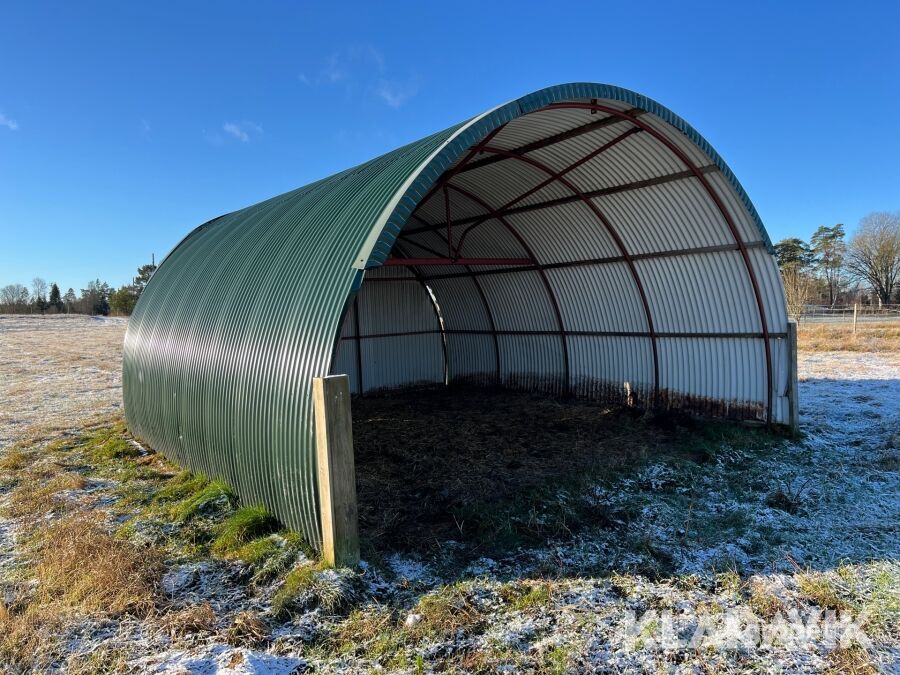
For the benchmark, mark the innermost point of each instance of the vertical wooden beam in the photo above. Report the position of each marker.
(337, 473)
(793, 379)
(855, 310)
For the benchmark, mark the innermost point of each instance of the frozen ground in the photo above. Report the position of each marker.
(720, 569)
(57, 372)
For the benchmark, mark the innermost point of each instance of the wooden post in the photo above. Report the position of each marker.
(793, 379)
(337, 474)
(855, 308)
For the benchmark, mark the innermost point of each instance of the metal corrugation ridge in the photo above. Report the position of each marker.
(545, 124)
(669, 217)
(532, 363)
(608, 368)
(612, 305)
(577, 235)
(702, 293)
(717, 377)
(472, 359)
(635, 157)
(391, 309)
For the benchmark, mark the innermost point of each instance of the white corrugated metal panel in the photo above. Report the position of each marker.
(606, 368)
(598, 298)
(460, 303)
(682, 142)
(770, 288)
(702, 293)
(668, 217)
(394, 307)
(637, 157)
(345, 363)
(402, 360)
(741, 218)
(508, 180)
(505, 294)
(544, 124)
(472, 358)
(532, 362)
(714, 375)
(435, 240)
(348, 327)
(489, 239)
(564, 233)
(781, 405)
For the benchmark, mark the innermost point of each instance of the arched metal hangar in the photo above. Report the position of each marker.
(582, 240)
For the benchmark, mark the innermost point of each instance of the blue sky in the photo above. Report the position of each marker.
(123, 125)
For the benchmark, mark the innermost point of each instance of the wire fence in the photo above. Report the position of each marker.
(851, 313)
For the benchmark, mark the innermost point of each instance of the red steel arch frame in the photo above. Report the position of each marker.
(454, 255)
(764, 324)
(550, 294)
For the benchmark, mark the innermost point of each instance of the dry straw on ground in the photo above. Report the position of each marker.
(881, 337)
(84, 568)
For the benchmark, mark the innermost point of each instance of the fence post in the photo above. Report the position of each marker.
(793, 379)
(337, 473)
(855, 308)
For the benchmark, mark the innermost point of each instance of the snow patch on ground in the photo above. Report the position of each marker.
(220, 660)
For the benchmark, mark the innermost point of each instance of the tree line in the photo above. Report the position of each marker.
(97, 298)
(828, 270)
(831, 270)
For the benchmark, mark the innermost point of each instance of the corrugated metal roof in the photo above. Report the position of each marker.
(647, 261)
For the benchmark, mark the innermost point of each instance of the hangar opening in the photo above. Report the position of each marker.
(583, 249)
(582, 242)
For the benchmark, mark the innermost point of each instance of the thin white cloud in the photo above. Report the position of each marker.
(371, 55)
(8, 122)
(236, 131)
(393, 93)
(362, 70)
(242, 131)
(145, 128)
(334, 70)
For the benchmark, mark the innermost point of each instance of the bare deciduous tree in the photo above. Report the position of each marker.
(38, 289)
(13, 297)
(9, 294)
(798, 285)
(873, 254)
(795, 259)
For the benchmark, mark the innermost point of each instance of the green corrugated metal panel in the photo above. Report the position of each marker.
(217, 366)
(224, 341)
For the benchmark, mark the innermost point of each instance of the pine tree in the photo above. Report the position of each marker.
(70, 299)
(55, 299)
(793, 253)
(829, 248)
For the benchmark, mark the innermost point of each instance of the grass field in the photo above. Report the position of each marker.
(533, 536)
(870, 336)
